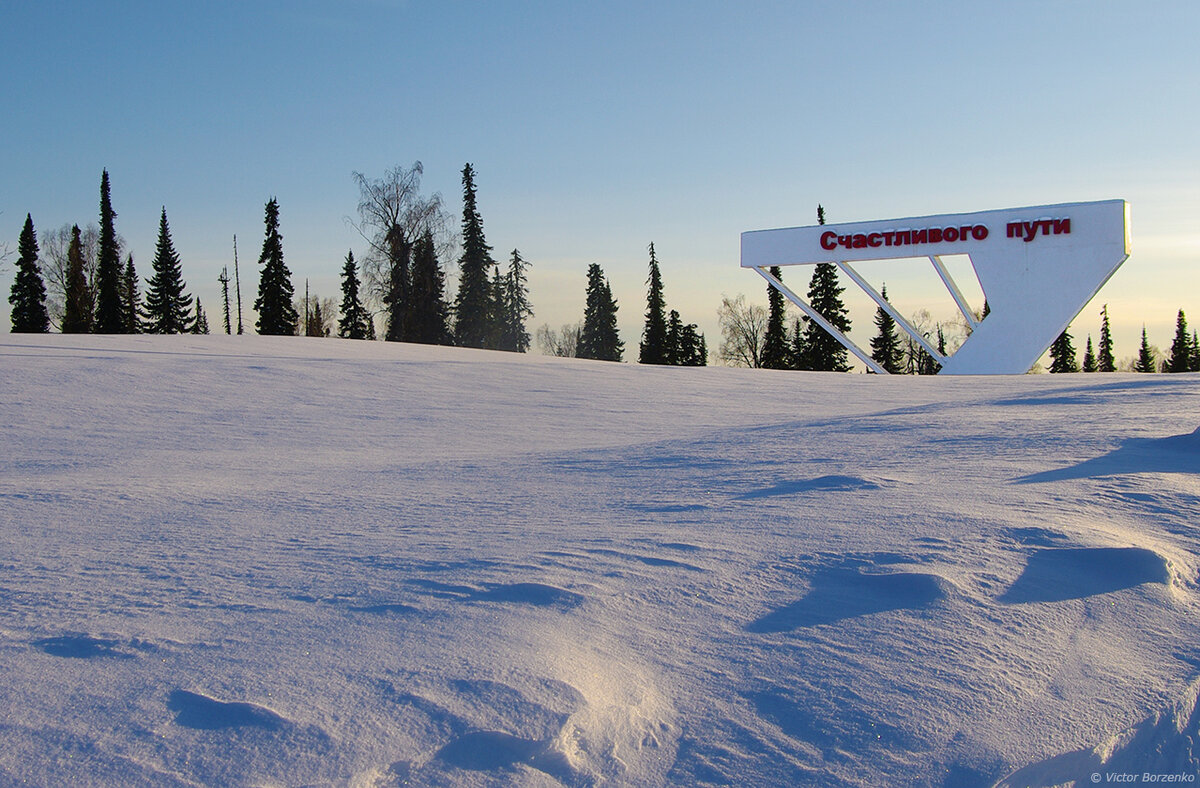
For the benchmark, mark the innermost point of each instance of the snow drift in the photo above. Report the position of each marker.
(287, 561)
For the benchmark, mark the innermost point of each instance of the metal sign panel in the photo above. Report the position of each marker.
(1037, 266)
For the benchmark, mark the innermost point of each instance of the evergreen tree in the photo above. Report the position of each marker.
(1181, 348)
(776, 353)
(821, 351)
(168, 308)
(110, 312)
(398, 297)
(77, 306)
(799, 352)
(430, 318)
(276, 315)
(1062, 354)
(496, 318)
(131, 298)
(353, 323)
(599, 338)
(224, 280)
(1089, 357)
(1145, 361)
(1195, 352)
(1105, 361)
(517, 309)
(473, 325)
(673, 352)
(28, 295)
(654, 347)
(885, 346)
(200, 323)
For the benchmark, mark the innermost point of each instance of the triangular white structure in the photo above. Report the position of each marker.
(1037, 267)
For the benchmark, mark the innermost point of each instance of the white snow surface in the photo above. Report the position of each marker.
(290, 561)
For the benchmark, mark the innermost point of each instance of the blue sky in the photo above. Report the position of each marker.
(596, 129)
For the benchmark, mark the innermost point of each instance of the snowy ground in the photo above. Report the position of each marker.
(256, 561)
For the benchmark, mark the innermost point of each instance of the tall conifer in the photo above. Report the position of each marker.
(599, 338)
(77, 301)
(473, 310)
(200, 322)
(28, 295)
(1145, 360)
(110, 312)
(1089, 357)
(1062, 354)
(821, 351)
(168, 308)
(353, 323)
(430, 312)
(654, 347)
(1105, 361)
(517, 309)
(885, 345)
(276, 315)
(131, 298)
(1180, 359)
(776, 353)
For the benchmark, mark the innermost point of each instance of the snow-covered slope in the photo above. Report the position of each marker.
(257, 561)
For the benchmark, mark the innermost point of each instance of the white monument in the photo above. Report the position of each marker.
(1037, 267)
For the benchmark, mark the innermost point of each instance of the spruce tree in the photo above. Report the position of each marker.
(517, 309)
(353, 323)
(398, 297)
(1195, 352)
(1105, 361)
(1062, 354)
(78, 304)
(674, 339)
(1181, 348)
(28, 295)
(473, 306)
(224, 280)
(496, 318)
(654, 347)
(110, 312)
(168, 308)
(1089, 357)
(885, 346)
(599, 338)
(430, 316)
(821, 351)
(276, 315)
(776, 353)
(1145, 360)
(200, 323)
(799, 352)
(131, 298)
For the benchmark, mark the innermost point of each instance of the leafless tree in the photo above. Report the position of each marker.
(743, 332)
(559, 343)
(53, 245)
(392, 216)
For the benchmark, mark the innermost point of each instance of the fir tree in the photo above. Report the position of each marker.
(674, 338)
(885, 346)
(110, 313)
(430, 318)
(168, 308)
(1089, 357)
(799, 352)
(517, 310)
(496, 318)
(654, 347)
(1195, 352)
(1105, 361)
(200, 323)
(77, 306)
(224, 280)
(775, 354)
(599, 338)
(353, 323)
(276, 315)
(473, 325)
(131, 298)
(28, 295)
(398, 297)
(821, 351)
(1181, 348)
(1145, 360)
(1062, 354)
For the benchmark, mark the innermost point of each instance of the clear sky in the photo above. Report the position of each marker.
(596, 129)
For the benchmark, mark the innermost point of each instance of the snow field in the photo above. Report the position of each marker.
(257, 561)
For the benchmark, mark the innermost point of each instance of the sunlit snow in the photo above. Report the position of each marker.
(290, 561)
